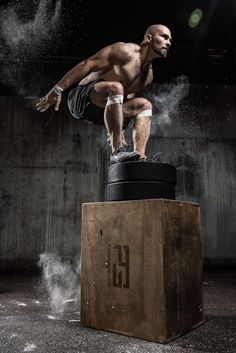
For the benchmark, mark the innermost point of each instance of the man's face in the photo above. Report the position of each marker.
(161, 41)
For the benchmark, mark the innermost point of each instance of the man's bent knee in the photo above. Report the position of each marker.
(147, 113)
(145, 109)
(115, 88)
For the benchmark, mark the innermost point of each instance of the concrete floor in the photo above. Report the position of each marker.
(28, 325)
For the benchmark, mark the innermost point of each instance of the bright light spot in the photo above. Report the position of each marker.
(195, 18)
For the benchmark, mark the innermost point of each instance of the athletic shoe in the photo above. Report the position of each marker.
(121, 155)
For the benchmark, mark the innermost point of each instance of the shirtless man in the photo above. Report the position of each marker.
(110, 90)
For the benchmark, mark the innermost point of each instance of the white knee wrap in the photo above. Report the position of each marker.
(145, 113)
(118, 99)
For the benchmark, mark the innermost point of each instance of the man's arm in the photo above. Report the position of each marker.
(115, 54)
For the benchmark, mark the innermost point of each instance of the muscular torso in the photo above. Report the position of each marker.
(134, 75)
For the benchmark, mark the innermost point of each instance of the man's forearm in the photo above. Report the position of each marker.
(74, 75)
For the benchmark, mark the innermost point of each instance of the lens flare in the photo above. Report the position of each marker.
(195, 18)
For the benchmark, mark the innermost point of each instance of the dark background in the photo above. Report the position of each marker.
(205, 54)
(91, 24)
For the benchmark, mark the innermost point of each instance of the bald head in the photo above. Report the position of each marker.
(154, 29)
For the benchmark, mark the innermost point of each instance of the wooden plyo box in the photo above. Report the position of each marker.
(142, 268)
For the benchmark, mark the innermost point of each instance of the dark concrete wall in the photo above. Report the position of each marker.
(50, 165)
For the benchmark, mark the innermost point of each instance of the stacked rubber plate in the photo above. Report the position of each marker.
(140, 180)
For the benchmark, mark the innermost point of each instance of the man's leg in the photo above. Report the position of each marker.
(110, 96)
(113, 118)
(141, 132)
(141, 110)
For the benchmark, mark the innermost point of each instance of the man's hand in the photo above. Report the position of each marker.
(51, 98)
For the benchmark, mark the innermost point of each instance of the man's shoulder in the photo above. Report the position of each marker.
(128, 48)
(123, 51)
(127, 45)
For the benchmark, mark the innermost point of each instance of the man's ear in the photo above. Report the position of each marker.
(149, 37)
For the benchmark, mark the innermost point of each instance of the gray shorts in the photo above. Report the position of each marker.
(81, 107)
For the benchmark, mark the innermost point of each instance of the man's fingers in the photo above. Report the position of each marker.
(43, 108)
(45, 102)
(40, 106)
(41, 101)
